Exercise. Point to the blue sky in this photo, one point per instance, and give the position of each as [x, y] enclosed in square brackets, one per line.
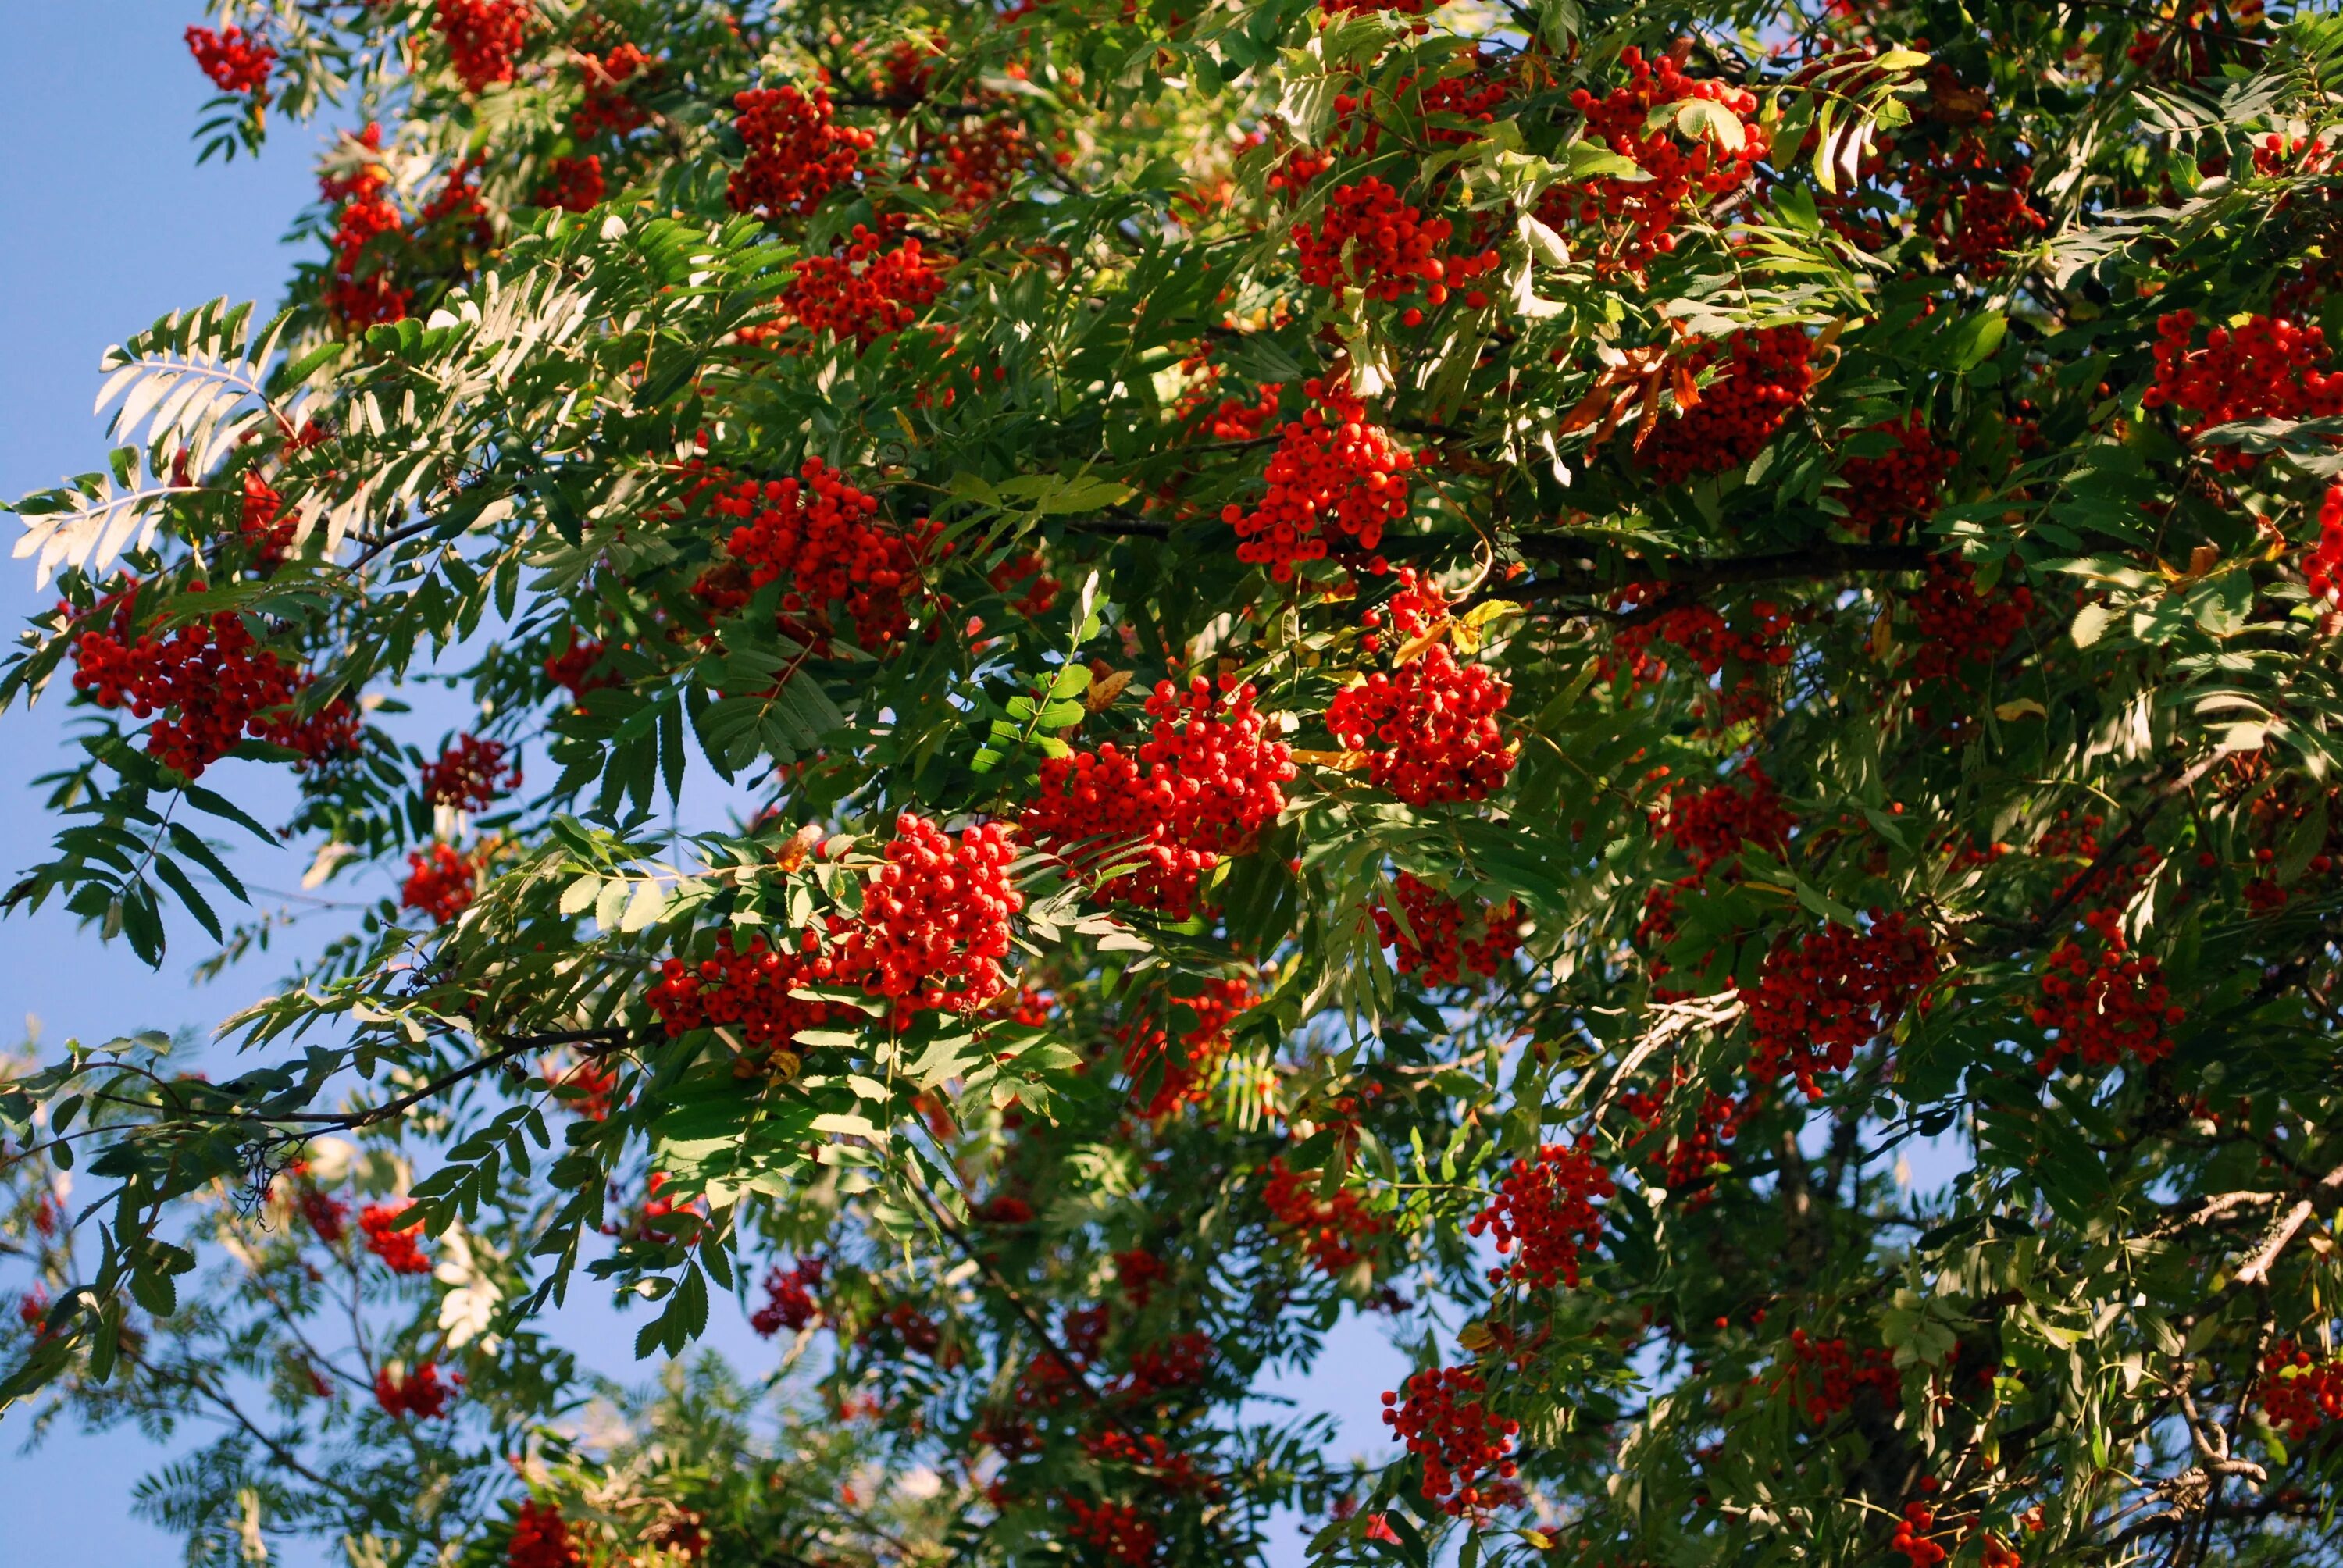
[107, 225]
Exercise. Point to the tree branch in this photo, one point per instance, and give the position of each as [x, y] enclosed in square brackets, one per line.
[1584, 576]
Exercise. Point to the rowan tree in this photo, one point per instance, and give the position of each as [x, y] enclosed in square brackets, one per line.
[1473, 664]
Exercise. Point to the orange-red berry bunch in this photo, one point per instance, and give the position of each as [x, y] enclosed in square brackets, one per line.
[1764, 374]
[1149, 1049]
[606, 106]
[863, 291]
[972, 166]
[1958, 628]
[2266, 367]
[789, 1301]
[1417, 606]
[2301, 1393]
[1202, 784]
[815, 531]
[1433, 947]
[1430, 730]
[746, 989]
[1118, 1532]
[1337, 1233]
[262, 523]
[573, 184]
[483, 37]
[797, 153]
[418, 1393]
[470, 774]
[1474, 93]
[1912, 1539]
[2105, 1004]
[207, 685]
[1641, 212]
[1335, 480]
[1758, 642]
[1370, 240]
[2324, 569]
[397, 1245]
[1466, 1452]
[1183, 1360]
[573, 666]
[540, 1539]
[237, 61]
[1711, 824]
[439, 882]
[358, 296]
[1975, 212]
[1687, 1160]
[1824, 1375]
[1544, 1215]
[1822, 998]
[935, 920]
[1884, 495]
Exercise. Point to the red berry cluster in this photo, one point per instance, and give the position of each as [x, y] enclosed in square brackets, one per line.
[573, 184]
[863, 291]
[1546, 1206]
[1975, 212]
[1822, 998]
[1026, 567]
[418, 1393]
[1715, 644]
[1433, 947]
[397, 1245]
[972, 166]
[1169, 1471]
[237, 61]
[573, 664]
[789, 1301]
[1912, 1537]
[1824, 1375]
[483, 37]
[1229, 418]
[459, 208]
[358, 296]
[470, 774]
[441, 882]
[2268, 367]
[328, 1215]
[1116, 1531]
[265, 529]
[1335, 476]
[1886, 494]
[745, 989]
[1474, 93]
[1687, 1161]
[1430, 730]
[2324, 569]
[590, 1086]
[1639, 213]
[540, 1539]
[2103, 1005]
[1465, 1451]
[1183, 1360]
[1337, 1233]
[606, 106]
[815, 532]
[1370, 240]
[2299, 1392]
[1418, 605]
[1711, 824]
[1203, 784]
[1958, 628]
[1148, 1046]
[208, 686]
[935, 920]
[1764, 376]
[797, 153]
